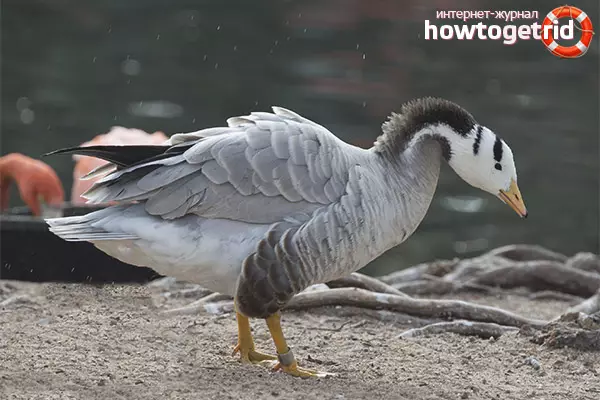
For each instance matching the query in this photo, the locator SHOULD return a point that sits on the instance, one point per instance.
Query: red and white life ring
(587, 32)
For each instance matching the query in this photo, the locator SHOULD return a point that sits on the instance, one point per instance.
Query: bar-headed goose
(273, 203)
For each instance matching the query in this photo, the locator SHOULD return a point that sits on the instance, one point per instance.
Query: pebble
(533, 362)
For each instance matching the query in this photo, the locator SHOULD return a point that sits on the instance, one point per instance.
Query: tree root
(438, 286)
(541, 275)
(436, 268)
(576, 277)
(424, 286)
(420, 311)
(585, 261)
(470, 268)
(527, 252)
(552, 295)
(551, 275)
(205, 304)
(484, 330)
(364, 282)
(386, 316)
(188, 293)
(589, 306)
(443, 309)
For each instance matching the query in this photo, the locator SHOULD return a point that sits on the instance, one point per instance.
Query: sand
(72, 341)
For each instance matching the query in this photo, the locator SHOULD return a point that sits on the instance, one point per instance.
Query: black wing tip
(120, 155)
(92, 149)
(61, 151)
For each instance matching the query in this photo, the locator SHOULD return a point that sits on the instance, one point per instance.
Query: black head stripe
(498, 149)
(477, 139)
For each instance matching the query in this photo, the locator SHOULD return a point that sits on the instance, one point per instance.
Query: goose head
(479, 156)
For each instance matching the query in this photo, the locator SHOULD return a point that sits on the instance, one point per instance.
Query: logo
(550, 27)
(549, 32)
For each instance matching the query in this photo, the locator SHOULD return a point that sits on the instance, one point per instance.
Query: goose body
(273, 203)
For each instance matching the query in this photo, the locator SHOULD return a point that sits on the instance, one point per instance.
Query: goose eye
(498, 166)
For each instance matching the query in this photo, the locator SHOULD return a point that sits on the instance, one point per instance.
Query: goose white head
(485, 161)
(477, 155)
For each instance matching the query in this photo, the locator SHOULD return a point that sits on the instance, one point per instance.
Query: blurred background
(73, 69)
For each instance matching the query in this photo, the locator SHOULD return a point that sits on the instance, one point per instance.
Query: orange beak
(513, 198)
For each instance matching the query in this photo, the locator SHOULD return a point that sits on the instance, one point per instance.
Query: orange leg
(287, 362)
(245, 344)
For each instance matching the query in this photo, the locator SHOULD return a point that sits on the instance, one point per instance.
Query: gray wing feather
(300, 178)
(266, 188)
(169, 198)
(280, 141)
(179, 138)
(265, 162)
(258, 138)
(113, 176)
(261, 168)
(165, 175)
(288, 114)
(283, 182)
(297, 154)
(216, 173)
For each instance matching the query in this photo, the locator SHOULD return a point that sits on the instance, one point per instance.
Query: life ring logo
(550, 24)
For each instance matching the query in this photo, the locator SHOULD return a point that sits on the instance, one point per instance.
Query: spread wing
(260, 168)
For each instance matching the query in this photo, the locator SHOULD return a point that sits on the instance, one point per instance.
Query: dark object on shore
(30, 252)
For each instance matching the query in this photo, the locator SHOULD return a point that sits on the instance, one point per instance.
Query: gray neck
(411, 180)
(374, 215)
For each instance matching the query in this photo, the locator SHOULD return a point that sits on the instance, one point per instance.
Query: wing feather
(262, 168)
(264, 162)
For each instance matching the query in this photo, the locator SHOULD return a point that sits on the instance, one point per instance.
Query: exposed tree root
(470, 268)
(364, 282)
(589, 306)
(541, 275)
(484, 330)
(196, 292)
(435, 268)
(205, 304)
(443, 309)
(548, 274)
(386, 316)
(423, 309)
(527, 252)
(425, 286)
(585, 261)
(552, 295)
(491, 270)
(438, 286)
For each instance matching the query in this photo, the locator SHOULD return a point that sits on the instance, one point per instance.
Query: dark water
(73, 69)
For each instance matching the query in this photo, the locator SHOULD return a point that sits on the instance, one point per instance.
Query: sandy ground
(111, 342)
